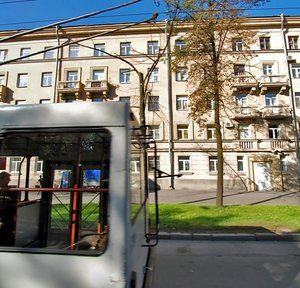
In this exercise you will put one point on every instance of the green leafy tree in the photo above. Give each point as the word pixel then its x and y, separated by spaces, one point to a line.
pixel 217 37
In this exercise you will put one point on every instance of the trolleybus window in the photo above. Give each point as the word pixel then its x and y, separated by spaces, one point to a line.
pixel 62 207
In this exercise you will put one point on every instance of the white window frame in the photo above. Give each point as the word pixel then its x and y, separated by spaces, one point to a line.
pixel 239 69
pixel 74 51
pixel 180 44
pixel 244 131
pixel 184 163
pixel 181 74
pixel 3 54
pixel 240 163
pixel 293 42
pixel 267 68
pixel 25 52
pixel 2 79
pixel 213 163
pixel 124 99
pixel 151 163
pixel 46 79
pixel 99 50
pixel 39 165
pixel 22 80
pixel 135 165
pixel 154 130
pixel 15 164
pixel 125 76
pixel 125 48
pixel 264 43
pixel 237 44
pixel 49 54
pixel 183 132
pixel 273 130
pixel 181 103
pixel 296 70
pixel 152 47
pixel 98 74
pixel 270 100
pixel 72 78
pixel 154 76
pixel 211 133
pixel 297 99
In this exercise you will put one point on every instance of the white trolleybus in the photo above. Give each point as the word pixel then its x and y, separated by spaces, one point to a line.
pixel 73 199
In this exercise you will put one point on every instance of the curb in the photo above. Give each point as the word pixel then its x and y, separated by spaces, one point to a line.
pixel 293 237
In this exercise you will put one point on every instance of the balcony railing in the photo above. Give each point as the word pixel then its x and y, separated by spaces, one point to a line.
pixel 246 112
pixel 66 88
pixel 96 87
pixel 276 112
pixel 273 79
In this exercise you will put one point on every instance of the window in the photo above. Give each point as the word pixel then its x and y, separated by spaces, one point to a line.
pixel 3 54
pixel 39 165
pixel 15 164
pixel 273 131
pixel 155 132
pixel 151 163
pixel 73 51
pixel 124 99
pixel 180 44
pixel 296 70
pixel 99 50
pixel 237 44
pixel 184 163
pixel 2 79
pixel 22 81
pixel 154 77
pixel 293 42
pixel 153 48
pixel 182 132
pixel 271 99
pixel 264 43
pixel 241 100
pixel 153 103
pixel 240 163
pixel 181 74
pixel 70 99
pixel 267 69
pixel 181 103
pixel 49 54
pixel 45 101
pixel 46 79
pixel 96 98
pixel 244 131
pixel 20 102
pixel 213 163
pixel 24 52
pixel 211 104
pixel 99 74
pixel 239 70
pixel 211 133
pixel 125 75
pixel 297 99
pixel 72 78
pixel 135 165
pixel 125 48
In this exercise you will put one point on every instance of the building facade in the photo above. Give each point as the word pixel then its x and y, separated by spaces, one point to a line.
pixel 104 62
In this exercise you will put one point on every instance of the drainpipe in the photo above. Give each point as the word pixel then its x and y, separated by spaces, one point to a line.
pixel 291 94
pixel 57 67
pixel 170 109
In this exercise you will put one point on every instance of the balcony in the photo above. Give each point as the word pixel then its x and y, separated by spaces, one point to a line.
pixel 3 93
pixel 243 113
pixel 261 145
pixel 243 82
pixel 96 87
pixel 70 88
pixel 273 82
pixel 276 112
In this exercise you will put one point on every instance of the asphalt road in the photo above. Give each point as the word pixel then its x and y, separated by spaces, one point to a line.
pixel 197 197
pixel 226 264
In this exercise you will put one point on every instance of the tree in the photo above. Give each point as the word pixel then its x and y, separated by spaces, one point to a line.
pixel 216 38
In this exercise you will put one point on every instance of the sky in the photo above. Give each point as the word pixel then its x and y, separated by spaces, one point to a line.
pixel 29 14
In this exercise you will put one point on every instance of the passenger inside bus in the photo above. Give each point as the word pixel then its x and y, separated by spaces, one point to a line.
pixel 8 211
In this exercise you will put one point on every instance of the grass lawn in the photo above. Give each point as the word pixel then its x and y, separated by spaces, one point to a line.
pixel 191 218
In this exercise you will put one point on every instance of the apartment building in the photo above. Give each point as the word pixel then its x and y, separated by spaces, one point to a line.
pixel 103 62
